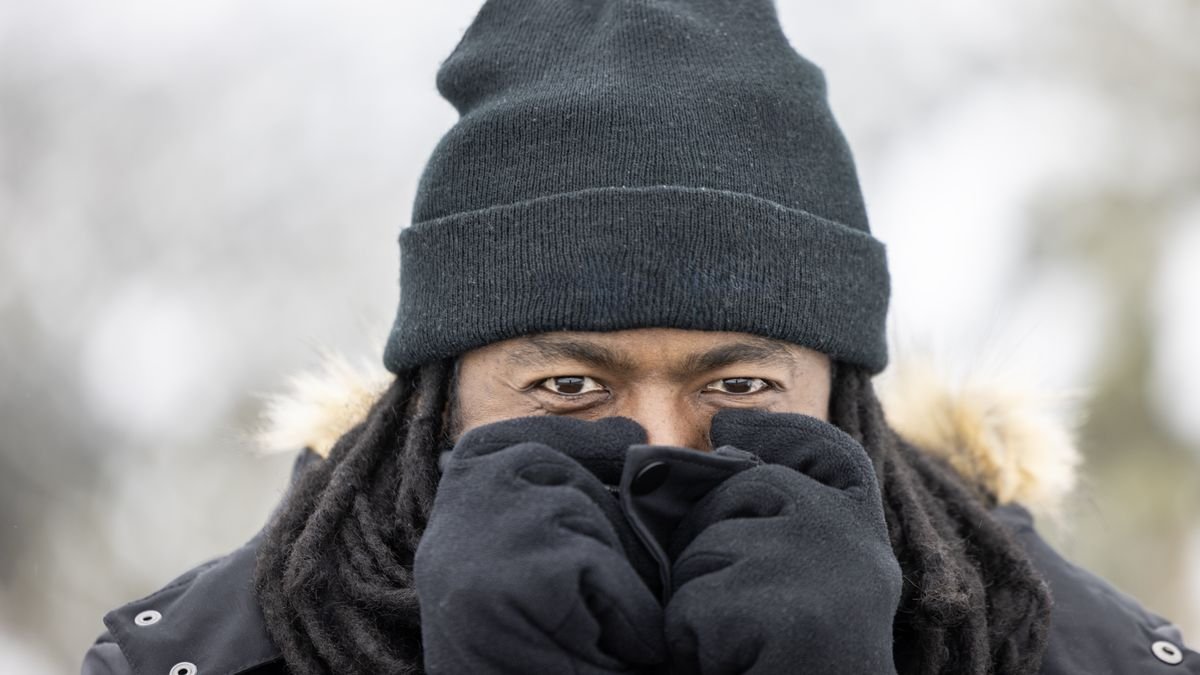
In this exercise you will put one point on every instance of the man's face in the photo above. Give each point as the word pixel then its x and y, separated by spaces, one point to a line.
pixel 671 381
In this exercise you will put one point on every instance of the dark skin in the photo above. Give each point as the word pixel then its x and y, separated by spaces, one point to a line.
pixel 671 381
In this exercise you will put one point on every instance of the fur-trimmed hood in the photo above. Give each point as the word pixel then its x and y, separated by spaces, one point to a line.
pixel 1016 442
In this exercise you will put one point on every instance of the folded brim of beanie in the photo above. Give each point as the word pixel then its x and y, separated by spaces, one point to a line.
pixel 616 258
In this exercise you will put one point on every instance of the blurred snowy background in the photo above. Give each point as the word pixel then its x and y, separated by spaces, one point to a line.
pixel 195 197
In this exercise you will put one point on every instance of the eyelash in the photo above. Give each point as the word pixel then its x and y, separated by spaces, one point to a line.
pixel 542 384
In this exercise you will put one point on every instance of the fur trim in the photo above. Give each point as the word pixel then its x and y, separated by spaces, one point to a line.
pixel 1008 439
pixel 1014 441
pixel 320 406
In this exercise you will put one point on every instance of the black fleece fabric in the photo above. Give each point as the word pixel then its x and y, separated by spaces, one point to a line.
pixel 634 163
pixel 524 566
pixel 530 563
pixel 786 566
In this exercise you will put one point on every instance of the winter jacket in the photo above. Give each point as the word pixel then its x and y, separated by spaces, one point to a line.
pixel 207 621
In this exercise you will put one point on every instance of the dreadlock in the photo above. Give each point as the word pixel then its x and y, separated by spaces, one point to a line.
pixel 334 572
pixel 971 600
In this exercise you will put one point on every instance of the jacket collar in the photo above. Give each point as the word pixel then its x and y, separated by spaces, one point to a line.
pixel 998 434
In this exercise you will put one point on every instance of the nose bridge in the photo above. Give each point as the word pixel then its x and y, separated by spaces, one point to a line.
pixel 668 420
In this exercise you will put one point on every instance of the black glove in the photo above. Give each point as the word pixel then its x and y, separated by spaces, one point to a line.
pixel 524 567
pixel 785 567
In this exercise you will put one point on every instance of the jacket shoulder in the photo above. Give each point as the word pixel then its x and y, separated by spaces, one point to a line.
pixel 1094 627
pixel 104 657
pixel 206 620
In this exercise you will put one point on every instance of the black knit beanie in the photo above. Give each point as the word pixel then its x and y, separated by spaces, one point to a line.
pixel 637 163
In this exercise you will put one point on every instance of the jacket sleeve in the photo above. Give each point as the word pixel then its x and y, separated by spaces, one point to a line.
pixel 1094 627
pixel 104 657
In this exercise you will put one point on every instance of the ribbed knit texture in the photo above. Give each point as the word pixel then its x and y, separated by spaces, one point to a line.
pixel 636 163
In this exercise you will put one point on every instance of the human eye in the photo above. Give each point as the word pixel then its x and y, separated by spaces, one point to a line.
pixel 739 386
pixel 570 385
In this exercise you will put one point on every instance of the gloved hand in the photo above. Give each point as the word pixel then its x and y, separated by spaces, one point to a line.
pixel 785 567
pixel 525 565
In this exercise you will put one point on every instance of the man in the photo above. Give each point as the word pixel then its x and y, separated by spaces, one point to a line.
pixel 632 425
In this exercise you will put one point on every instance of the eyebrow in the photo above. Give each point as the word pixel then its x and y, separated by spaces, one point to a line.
pixel 760 352
pixel 541 348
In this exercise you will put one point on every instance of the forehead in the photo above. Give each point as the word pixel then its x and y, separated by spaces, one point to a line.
pixel 642 348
